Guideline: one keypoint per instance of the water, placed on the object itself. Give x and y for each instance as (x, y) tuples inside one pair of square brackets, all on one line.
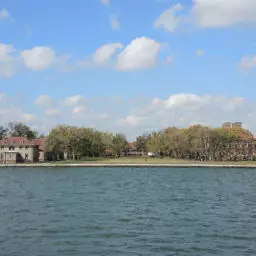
[(127, 211)]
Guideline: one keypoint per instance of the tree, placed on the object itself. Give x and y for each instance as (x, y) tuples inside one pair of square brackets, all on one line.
[(175, 142), (155, 143), (196, 142), (18, 129), (141, 143), (3, 132), (119, 143)]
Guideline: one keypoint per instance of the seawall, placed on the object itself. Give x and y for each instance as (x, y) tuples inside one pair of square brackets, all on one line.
[(49, 165)]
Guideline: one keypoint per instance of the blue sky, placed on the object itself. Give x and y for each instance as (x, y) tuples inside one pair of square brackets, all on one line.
[(127, 66)]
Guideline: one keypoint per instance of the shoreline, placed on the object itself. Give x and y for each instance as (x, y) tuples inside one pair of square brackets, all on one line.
[(137, 165)]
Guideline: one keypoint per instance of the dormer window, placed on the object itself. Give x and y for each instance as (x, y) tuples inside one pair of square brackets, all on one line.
[(21, 142)]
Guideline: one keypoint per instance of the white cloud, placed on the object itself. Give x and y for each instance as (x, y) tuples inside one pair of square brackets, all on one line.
[(105, 52), (7, 60), (200, 52), (51, 112), (248, 62), (169, 20), (143, 115), (114, 22), (184, 100), (4, 14), (131, 120), (140, 53), (105, 2), (223, 13), (44, 100), (74, 100), (38, 58)]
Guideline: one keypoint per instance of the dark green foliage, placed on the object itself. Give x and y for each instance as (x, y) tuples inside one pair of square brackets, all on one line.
[(17, 129)]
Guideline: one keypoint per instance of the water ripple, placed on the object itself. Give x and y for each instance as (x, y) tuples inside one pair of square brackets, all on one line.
[(127, 211)]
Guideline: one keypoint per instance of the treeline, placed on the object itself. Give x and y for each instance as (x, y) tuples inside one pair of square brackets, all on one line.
[(201, 143), (85, 142), (195, 142), (18, 129)]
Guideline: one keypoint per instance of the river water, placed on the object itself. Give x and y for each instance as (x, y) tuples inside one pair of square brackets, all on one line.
[(127, 211)]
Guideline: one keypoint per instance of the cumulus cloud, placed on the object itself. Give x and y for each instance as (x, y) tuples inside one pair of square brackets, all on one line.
[(38, 58), (73, 100), (141, 53), (223, 13), (114, 22), (131, 120), (143, 115), (209, 14), (44, 100), (4, 14), (169, 20), (185, 108), (105, 52), (35, 59)]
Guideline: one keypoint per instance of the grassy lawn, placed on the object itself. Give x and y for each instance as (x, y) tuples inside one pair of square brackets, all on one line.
[(130, 160)]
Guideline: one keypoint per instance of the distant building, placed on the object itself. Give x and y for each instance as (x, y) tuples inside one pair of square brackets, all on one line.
[(20, 149), (227, 125), (237, 125), (132, 150), (232, 125)]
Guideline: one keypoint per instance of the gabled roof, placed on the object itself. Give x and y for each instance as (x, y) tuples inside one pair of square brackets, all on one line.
[(16, 140), (23, 141)]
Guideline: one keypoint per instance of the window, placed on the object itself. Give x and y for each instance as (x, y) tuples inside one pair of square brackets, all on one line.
[(11, 148), (26, 156)]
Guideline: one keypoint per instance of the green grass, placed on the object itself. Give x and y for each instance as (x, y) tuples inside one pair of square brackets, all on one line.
[(131, 160)]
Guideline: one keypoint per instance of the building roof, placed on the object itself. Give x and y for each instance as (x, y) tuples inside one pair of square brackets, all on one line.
[(40, 143), (23, 141)]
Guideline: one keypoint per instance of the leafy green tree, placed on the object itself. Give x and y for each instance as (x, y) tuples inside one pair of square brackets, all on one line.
[(141, 143), (18, 129), (155, 143), (119, 144)]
